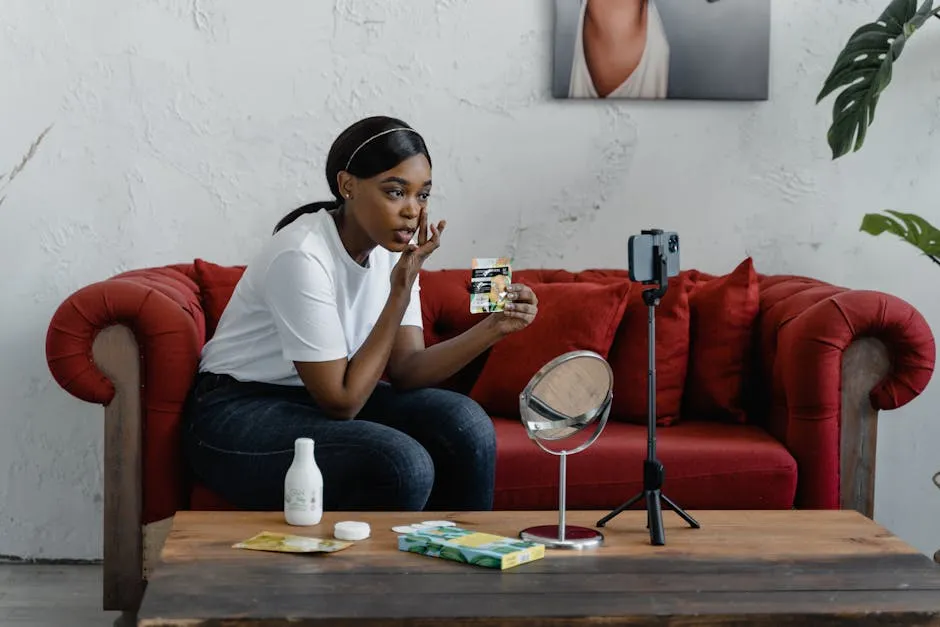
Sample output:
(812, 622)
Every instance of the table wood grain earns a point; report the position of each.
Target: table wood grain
(740, 568)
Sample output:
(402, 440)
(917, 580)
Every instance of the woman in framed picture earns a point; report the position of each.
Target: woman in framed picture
(620, 51)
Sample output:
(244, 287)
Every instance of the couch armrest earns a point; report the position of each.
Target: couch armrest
(161, 308)
(132, 344)
(833, 358)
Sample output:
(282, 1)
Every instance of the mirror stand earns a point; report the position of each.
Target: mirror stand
(562, 536)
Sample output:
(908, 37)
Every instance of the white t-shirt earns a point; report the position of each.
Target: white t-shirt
(650, 79)
(303, 298)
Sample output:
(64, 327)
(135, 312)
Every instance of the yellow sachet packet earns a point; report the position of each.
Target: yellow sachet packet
(286, 543)
(489, 278)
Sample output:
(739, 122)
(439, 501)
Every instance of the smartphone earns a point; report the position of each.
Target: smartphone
(644, 251)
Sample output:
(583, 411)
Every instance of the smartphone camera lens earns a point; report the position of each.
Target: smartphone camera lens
(673, 243)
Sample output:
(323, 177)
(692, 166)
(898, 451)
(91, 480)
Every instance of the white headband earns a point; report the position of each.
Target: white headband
(391, 130)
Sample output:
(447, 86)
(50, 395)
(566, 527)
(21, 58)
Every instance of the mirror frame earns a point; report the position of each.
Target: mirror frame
(530, 402)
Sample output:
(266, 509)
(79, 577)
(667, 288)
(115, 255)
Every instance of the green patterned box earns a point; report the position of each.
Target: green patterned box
(471, 547)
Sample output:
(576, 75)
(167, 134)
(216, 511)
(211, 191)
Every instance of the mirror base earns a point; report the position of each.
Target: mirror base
(575, 537)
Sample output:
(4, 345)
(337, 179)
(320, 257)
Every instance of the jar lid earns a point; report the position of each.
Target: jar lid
(351, 530)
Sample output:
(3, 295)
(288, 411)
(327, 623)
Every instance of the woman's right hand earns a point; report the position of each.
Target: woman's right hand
(412, 259)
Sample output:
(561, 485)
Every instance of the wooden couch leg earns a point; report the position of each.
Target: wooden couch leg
(116, 354)
(864, 364)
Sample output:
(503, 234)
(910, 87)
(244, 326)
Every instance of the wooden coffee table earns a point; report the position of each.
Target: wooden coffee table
(741, 568)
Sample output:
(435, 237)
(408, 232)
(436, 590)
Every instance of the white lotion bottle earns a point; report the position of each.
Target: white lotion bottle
(303, 487)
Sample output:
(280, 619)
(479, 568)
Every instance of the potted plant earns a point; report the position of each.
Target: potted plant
(862, 71)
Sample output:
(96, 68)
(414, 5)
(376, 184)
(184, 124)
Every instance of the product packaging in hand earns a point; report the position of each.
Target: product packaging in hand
(489, 278)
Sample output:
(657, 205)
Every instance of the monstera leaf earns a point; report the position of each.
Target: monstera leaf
(909, 227)
(863, 68)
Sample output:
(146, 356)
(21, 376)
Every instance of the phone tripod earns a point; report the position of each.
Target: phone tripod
(653, 471)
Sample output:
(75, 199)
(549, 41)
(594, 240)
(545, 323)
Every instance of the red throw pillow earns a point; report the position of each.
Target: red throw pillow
(445, 309)
(572, 316)
(216, 284)
(629, 356)
(445, 304)
(724, 310)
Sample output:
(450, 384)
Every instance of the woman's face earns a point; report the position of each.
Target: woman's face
(387, 206)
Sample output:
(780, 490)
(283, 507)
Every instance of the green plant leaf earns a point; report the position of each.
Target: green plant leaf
(910, 227)
(863, 70)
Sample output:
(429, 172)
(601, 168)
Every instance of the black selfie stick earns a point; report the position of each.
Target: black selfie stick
(653, 472)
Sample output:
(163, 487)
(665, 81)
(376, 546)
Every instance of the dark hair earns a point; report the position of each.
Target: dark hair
(368, 147)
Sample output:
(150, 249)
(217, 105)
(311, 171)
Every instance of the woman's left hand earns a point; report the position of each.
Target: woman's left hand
(521, 307)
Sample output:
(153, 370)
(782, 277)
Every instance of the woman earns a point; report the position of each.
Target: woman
(620, 51)
(331, 304)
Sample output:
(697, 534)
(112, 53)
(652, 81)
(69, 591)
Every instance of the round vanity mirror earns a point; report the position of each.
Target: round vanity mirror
(570, 396)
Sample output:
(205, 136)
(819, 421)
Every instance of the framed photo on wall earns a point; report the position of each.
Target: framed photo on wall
(662, 49)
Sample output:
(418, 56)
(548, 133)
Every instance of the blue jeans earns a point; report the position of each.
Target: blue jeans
(425, 449)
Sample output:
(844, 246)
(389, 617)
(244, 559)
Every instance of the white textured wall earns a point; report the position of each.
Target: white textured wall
(186, 128)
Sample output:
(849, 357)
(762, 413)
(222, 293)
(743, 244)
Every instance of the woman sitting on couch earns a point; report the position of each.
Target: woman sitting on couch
(329, 305)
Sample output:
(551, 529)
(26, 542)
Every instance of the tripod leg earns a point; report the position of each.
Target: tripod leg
(682, 513)
(655, 515)
(603, 521)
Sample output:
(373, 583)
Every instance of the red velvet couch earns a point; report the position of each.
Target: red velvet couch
(768, 388)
